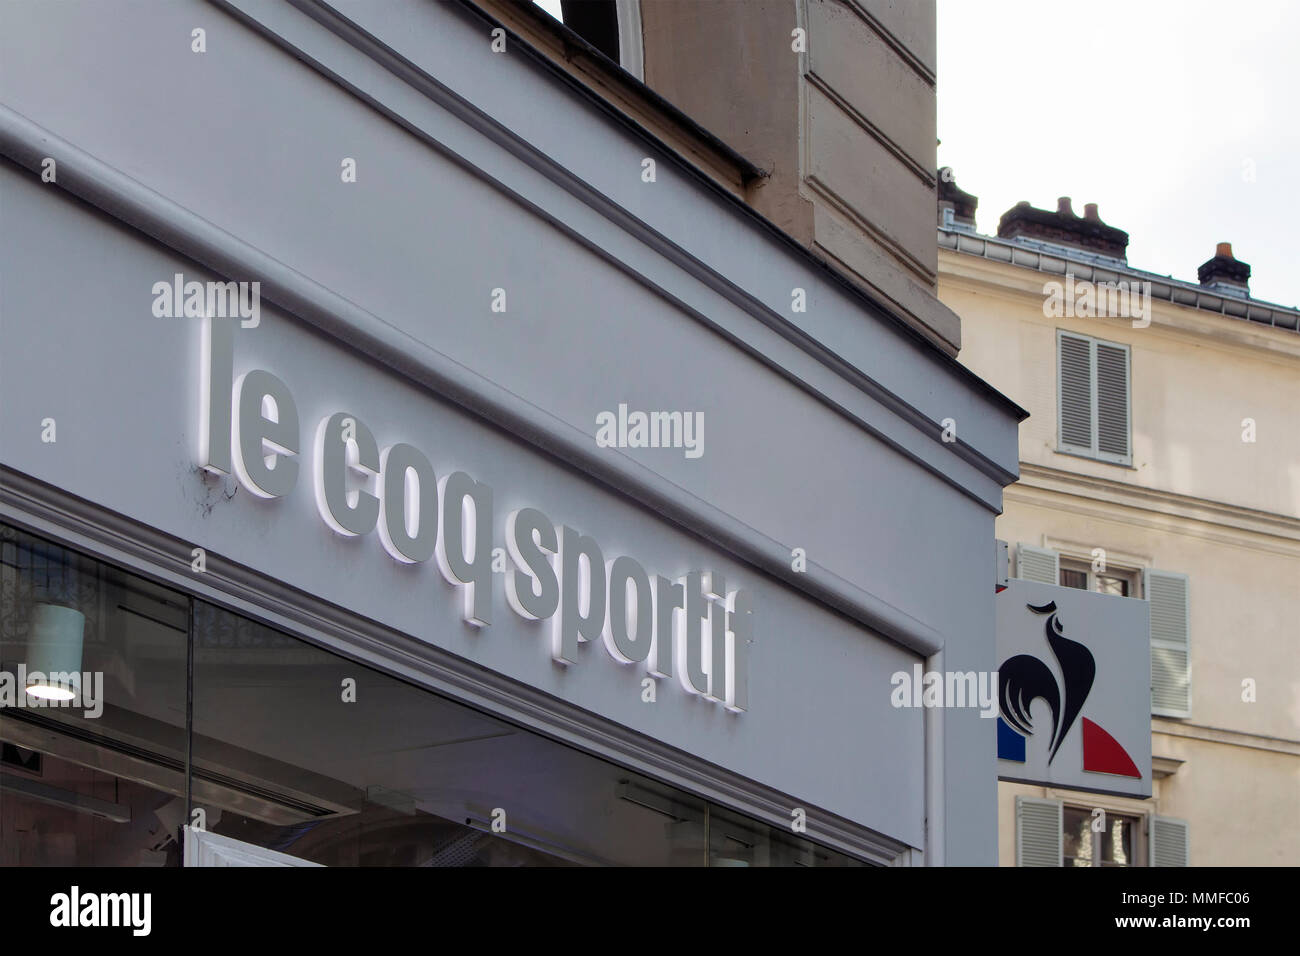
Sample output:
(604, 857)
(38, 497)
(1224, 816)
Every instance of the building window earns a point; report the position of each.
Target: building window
(1090, 838)
(1052, 833)
(1093, 398)
(1120, 582)
(1168, 593)
(611, 26)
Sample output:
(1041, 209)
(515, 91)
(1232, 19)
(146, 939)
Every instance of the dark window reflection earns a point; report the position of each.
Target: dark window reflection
(295, 749)
(307, 753)
(100, 779)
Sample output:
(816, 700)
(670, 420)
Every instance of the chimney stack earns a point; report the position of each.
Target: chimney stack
(1225, 273)
(1087, 233)
(953, 197)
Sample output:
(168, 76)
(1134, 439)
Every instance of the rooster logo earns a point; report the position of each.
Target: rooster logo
(1024, 678)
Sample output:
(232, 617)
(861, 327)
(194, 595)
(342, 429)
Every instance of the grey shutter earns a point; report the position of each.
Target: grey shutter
(1112, 364)
(1038, 832)
(1169, 842)
(1037, 564)
(1075, 378)
(1171, 663)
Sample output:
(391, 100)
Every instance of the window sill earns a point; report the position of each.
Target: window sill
(1101, 461)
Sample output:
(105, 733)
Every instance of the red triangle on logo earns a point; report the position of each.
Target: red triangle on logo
(1103, 754)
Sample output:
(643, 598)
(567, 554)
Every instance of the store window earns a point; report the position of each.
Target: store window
(309, 754)
(97, 779)
(295, 749)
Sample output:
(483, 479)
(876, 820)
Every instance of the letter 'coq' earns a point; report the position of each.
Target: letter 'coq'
(691, 627)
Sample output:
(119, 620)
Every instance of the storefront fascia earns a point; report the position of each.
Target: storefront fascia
(478, 172)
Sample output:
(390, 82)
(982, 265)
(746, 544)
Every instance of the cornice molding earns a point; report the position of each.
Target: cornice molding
(1245, 526)
(1217, 735)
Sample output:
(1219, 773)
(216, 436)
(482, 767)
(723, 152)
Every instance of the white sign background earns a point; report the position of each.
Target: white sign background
(1116, 630)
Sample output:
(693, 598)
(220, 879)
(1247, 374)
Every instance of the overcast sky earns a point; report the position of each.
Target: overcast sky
(1179, 118)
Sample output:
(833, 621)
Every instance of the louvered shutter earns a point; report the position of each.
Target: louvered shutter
(1171, 664)
(1094, 398)
(1038, 832)
(1112, 365)
(1037, 564)
(1075, 378)
(1169, 842)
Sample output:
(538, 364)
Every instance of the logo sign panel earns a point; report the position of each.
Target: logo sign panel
(1074, 689)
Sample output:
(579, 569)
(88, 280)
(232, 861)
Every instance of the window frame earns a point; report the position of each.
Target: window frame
(1141, 835)
(1132, 575)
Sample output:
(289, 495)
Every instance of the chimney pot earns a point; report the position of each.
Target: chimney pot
(1225, 271)
(1063, 207)
(1090, 212)
(952, 196)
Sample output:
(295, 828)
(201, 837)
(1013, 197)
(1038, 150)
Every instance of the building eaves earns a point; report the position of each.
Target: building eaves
(1060, 261)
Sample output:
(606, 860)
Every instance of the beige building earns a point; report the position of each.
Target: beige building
(1161, 462)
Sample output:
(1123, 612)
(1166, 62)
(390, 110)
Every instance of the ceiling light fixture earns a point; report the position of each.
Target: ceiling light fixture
(54, 652)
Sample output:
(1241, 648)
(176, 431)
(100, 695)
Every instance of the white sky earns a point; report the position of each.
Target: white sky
(1150, 108)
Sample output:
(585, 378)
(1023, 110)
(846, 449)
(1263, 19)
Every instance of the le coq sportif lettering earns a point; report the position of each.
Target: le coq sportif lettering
(690, 627)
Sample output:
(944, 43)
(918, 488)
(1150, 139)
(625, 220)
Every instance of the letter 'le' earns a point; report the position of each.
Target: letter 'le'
(258, 439)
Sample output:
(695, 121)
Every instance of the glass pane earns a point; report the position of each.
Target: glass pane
(299, 750)
(1077, 838)
(98, 778)
(736, 840)
(1112, 584)
(1071, 578)
(1117, 842)
(296, 749)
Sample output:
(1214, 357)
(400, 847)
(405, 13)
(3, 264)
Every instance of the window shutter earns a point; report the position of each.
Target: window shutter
(1171, 664)
(1169, 843)
(1037, 564)
(1074, 375)
(1038, 832)
(1113, 401)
